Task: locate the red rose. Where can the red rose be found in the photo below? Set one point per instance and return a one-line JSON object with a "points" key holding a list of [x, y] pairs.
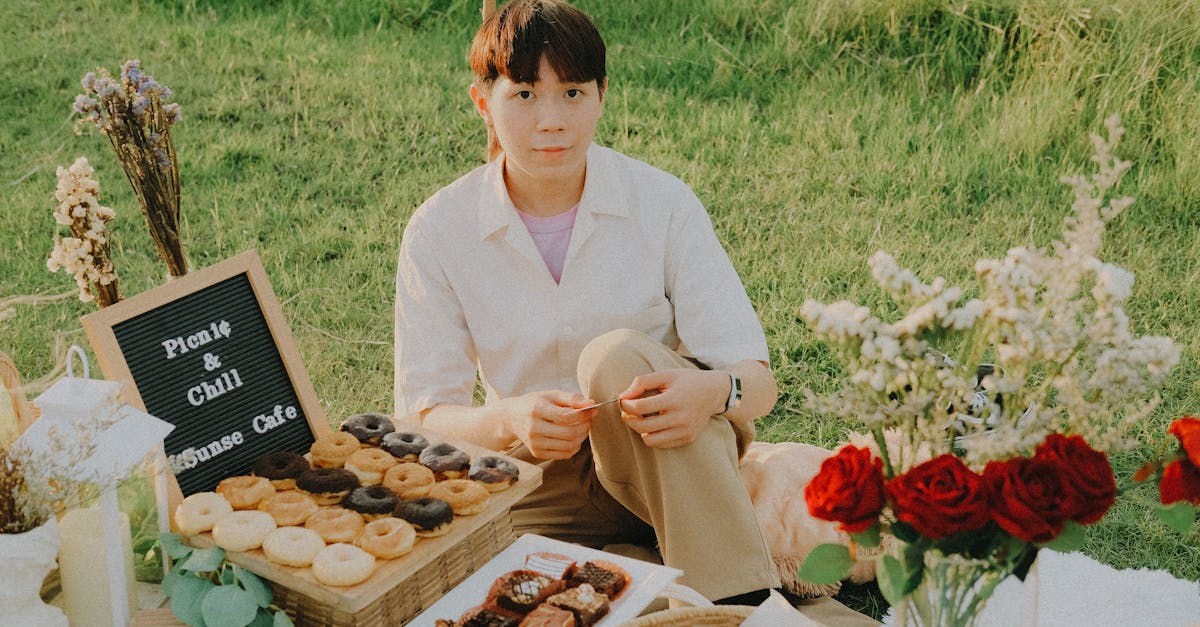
{"points": [[848, 489], [1087, 476], [1180, 482], [1027, 497], [1187, 429], [940, 497]]}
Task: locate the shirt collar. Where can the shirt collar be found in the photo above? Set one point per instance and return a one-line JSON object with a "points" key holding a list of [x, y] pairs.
{"points": [[603, 192]]}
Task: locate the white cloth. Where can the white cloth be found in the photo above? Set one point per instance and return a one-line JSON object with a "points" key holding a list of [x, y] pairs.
{"points": [[1074, 590], [472, 291]]}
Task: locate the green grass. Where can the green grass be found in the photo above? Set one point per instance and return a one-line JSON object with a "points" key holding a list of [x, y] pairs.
{"points": [[817, 132]]}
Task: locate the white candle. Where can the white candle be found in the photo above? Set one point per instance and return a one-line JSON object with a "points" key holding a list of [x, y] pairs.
{"points": [[83, 567]]}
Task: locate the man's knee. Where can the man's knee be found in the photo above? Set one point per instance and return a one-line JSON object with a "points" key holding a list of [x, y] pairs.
{"points": [[614, 358]]}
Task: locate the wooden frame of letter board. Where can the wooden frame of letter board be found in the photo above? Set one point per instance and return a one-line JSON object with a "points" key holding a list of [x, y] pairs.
{"points": [[99, 327]]}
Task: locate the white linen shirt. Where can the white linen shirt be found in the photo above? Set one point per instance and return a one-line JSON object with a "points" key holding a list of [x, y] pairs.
{"points": [[473, 293]]}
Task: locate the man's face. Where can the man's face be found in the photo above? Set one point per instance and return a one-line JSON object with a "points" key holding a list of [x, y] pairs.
{"points": [[545, 127]]}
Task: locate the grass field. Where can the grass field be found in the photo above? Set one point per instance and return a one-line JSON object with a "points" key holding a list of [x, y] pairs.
{"points": [[816, 132]]}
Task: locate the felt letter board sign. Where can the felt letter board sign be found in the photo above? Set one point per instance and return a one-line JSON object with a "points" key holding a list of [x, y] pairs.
{"points": [[211, 353]]}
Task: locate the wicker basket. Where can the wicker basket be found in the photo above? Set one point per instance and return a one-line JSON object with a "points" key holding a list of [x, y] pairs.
{"points": [[714, 616], [411, 596]]}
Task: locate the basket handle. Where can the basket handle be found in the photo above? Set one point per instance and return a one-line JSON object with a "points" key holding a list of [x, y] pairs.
{"points": [[680, 592]]}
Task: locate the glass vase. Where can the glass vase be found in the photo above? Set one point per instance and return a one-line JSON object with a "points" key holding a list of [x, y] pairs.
{"points": [[952, 592]]}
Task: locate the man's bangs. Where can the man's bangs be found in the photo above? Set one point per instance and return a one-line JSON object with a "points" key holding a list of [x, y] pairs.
{"points": [[568, 39]]}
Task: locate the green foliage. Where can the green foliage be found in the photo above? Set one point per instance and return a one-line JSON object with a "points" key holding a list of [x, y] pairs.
{"points": [[206, 590], [826, 564], [1178, 516]]}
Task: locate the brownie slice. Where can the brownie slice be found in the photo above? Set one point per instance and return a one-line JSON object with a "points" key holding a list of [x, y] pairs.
{"points": [[522, 590], [483, 617], [607, 579], [546, 615], [584, 602]]}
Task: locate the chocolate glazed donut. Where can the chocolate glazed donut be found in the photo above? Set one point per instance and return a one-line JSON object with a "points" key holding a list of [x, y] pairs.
{"points": [[430, 517], [371, 501], [495, 473], [405, 446], [446, 461], [327, 485], [281, 468], [368, 428]]}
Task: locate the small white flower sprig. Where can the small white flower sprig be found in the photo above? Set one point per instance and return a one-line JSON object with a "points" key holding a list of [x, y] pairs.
{"points": [[86, 254], [1050, 324], [137, 121]]}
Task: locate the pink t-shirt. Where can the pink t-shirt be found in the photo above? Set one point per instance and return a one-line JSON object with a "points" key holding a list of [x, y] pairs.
{"points": [[552, 235]]}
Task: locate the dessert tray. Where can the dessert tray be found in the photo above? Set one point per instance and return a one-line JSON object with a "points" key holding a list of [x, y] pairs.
{"points": [[433, 566], [647, 581]]}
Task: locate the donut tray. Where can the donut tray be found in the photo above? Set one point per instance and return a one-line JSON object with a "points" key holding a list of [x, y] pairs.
{"points": [[400, 588]]}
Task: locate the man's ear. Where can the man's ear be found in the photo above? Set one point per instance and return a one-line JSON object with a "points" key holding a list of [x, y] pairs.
{"points": [[481, 103], [603, 89]]}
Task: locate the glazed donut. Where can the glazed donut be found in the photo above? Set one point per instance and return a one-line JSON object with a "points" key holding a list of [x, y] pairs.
{"points": [[387, 538], [409, 480], [242, 530], [465, 497], [245, 491], [281, 468], [369, 464], [292, 507], [328, 486], [332, 450], [371, 502], [368, 428], [198, 512], [342, 565], [446, 461], [292, 546], [404, 446], [495, 473], [336, 524], [429, 516]]}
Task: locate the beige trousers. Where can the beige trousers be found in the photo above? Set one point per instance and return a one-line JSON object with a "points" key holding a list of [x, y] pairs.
{"points": [[687, 501]]}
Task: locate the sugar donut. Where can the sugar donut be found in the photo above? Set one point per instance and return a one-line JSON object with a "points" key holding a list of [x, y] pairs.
{"points": [[242, 530], [495, 473], [387, 538], [409, 480], [200, 511], [292, 546], [369, 464], [446, 461], [245, 491], [292, 507], [332, 450], [466, 497], [404, 446], [342, 565], [328, 486], [281, 468], [429, 516], [368, 428], [336, 524]]}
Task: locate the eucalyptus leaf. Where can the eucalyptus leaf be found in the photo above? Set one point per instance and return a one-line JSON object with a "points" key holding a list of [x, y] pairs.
{"points": [[254, 585], [1069, 540], [189, 593], [205, 560], [262, 618], [171, 581], [172, 545], [225, 577], [826, 564], [892, 578], [283, 620], [869, 538], [1178, 516], [228, 606]]}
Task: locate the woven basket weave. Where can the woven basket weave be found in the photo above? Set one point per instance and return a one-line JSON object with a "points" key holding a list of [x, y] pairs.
{"points": [[715, 616]]}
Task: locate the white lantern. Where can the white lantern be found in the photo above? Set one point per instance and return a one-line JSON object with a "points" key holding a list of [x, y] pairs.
{"points": [[118, 439]]}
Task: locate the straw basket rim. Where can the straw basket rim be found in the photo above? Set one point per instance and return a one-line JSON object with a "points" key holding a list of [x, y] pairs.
{"points": [[714, 616]]}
